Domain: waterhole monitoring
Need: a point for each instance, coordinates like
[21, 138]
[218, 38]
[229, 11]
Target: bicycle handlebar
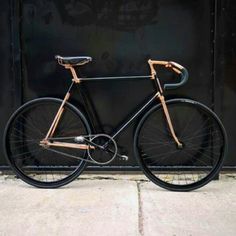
[175, 67]
[179, 70]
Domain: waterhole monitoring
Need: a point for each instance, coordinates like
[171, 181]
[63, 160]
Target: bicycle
[179, 144]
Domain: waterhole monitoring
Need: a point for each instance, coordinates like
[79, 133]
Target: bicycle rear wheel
[204, 145]
[37, 165]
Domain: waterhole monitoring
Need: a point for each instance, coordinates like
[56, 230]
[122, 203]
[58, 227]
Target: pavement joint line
[110, 178]
[140, 209]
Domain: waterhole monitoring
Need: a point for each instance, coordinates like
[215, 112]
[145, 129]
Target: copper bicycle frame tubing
[75, 79]
[57, 119]
[161, 96]
[69, 145]
[168, 119]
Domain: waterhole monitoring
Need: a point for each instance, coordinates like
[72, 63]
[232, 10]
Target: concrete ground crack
[135, 178]
[140, 209]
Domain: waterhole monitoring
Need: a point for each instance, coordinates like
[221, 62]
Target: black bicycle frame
[121, 127]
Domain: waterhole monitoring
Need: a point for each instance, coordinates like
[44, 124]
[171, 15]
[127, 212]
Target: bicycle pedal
[124, 158]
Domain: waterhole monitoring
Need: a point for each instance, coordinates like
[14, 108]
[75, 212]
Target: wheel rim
[204, 146]
[35, 164]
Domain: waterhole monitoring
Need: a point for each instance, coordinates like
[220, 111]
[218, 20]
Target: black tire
[202, 134]
[31, 162]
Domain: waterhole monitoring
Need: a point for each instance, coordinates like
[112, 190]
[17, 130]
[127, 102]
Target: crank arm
[94, 144]
[122, 157]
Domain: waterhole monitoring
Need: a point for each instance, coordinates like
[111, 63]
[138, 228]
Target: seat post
[73, 72]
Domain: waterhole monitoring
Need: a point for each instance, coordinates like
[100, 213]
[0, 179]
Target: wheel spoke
[36, 164]
[183, 168]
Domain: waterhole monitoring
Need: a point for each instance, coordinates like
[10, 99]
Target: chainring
[105, 150]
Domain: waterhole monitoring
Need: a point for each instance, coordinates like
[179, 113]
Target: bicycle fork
[168, 119]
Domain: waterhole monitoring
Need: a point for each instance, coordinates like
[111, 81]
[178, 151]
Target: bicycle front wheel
[37, 165]
[204, 145]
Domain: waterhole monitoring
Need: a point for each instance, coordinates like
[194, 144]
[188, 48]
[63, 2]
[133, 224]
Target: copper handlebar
[177, 68]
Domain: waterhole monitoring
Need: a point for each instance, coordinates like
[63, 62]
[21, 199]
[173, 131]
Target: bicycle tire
[29, 124]
[161, 160]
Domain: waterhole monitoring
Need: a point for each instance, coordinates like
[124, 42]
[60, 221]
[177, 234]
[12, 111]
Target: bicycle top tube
[116, 78]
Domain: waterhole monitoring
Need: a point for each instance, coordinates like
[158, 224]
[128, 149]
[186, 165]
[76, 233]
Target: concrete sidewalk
[119, 205]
